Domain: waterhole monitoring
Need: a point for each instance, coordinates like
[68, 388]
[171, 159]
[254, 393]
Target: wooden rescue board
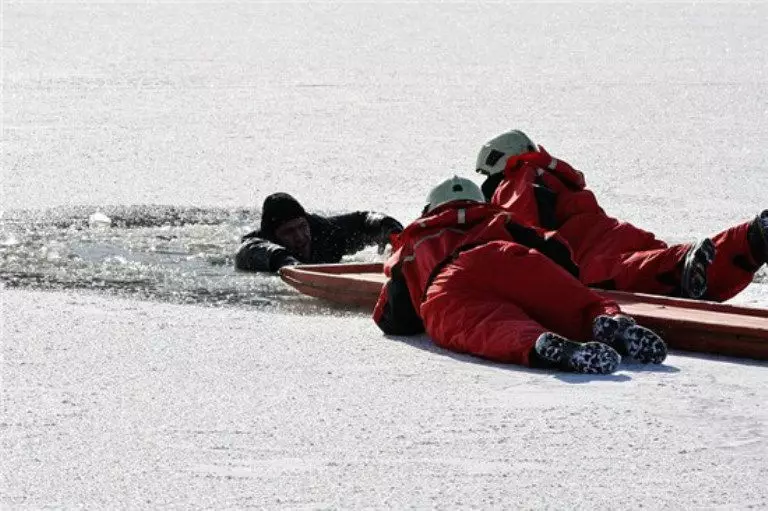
[690, 325]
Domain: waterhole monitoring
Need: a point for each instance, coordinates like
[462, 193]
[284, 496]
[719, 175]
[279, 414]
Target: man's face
[294, 235]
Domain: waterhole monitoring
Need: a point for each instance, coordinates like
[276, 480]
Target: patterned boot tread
[590, 357]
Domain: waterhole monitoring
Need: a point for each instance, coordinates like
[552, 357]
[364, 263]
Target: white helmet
[494, 154]
[456, 188]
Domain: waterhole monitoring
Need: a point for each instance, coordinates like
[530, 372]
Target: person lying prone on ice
[479, 281]
[547, 192]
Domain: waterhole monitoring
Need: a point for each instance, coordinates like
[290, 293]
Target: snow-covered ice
[130, 404]
[110, 402]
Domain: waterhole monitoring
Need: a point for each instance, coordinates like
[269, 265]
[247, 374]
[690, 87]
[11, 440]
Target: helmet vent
[457, 188]
[493, 157]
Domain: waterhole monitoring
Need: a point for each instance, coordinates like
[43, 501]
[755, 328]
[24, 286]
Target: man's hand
[543, 160]
[286, 260]
[540, 158]
[389, 227]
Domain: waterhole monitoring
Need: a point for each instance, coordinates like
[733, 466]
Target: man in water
[289, 235]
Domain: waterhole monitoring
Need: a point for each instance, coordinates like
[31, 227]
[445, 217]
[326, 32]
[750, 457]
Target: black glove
[285, 260]
[388, 226]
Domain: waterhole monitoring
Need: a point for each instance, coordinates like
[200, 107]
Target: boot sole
[698, 258]
[587, 358]
[761, 225]
[644, 345]
[605, 329]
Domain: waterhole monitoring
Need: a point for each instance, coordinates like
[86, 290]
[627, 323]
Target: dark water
[163, 253]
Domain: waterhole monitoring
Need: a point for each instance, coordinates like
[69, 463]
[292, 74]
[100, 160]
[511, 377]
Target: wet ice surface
[147, 373]
[160, 253]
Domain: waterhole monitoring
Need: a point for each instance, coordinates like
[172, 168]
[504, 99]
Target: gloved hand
[543, 160]
[287, 260]
[540, 159]
[389, 227]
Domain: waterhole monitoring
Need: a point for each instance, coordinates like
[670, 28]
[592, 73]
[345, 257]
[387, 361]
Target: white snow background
[120, 403]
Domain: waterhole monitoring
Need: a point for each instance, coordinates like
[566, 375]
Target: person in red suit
[547, 192]
[480, 281]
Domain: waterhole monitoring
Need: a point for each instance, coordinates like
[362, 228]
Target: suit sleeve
[257, 254]
[573, 178]
[363, 228]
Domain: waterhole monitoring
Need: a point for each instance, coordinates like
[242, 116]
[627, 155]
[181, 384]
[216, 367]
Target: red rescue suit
[612, 254]
[468, 274]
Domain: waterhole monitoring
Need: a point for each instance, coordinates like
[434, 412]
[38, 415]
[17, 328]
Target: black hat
[279, 208]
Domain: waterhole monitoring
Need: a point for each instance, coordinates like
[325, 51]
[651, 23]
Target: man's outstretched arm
[257, 254]
[364, 228]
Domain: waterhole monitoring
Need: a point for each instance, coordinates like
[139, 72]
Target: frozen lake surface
[139, 370]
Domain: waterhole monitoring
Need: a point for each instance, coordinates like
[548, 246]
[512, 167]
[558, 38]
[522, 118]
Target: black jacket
[332, 237]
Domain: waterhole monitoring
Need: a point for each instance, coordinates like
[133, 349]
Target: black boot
[630, 339]
[693, 283]
[757, 236]
[589, 357]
